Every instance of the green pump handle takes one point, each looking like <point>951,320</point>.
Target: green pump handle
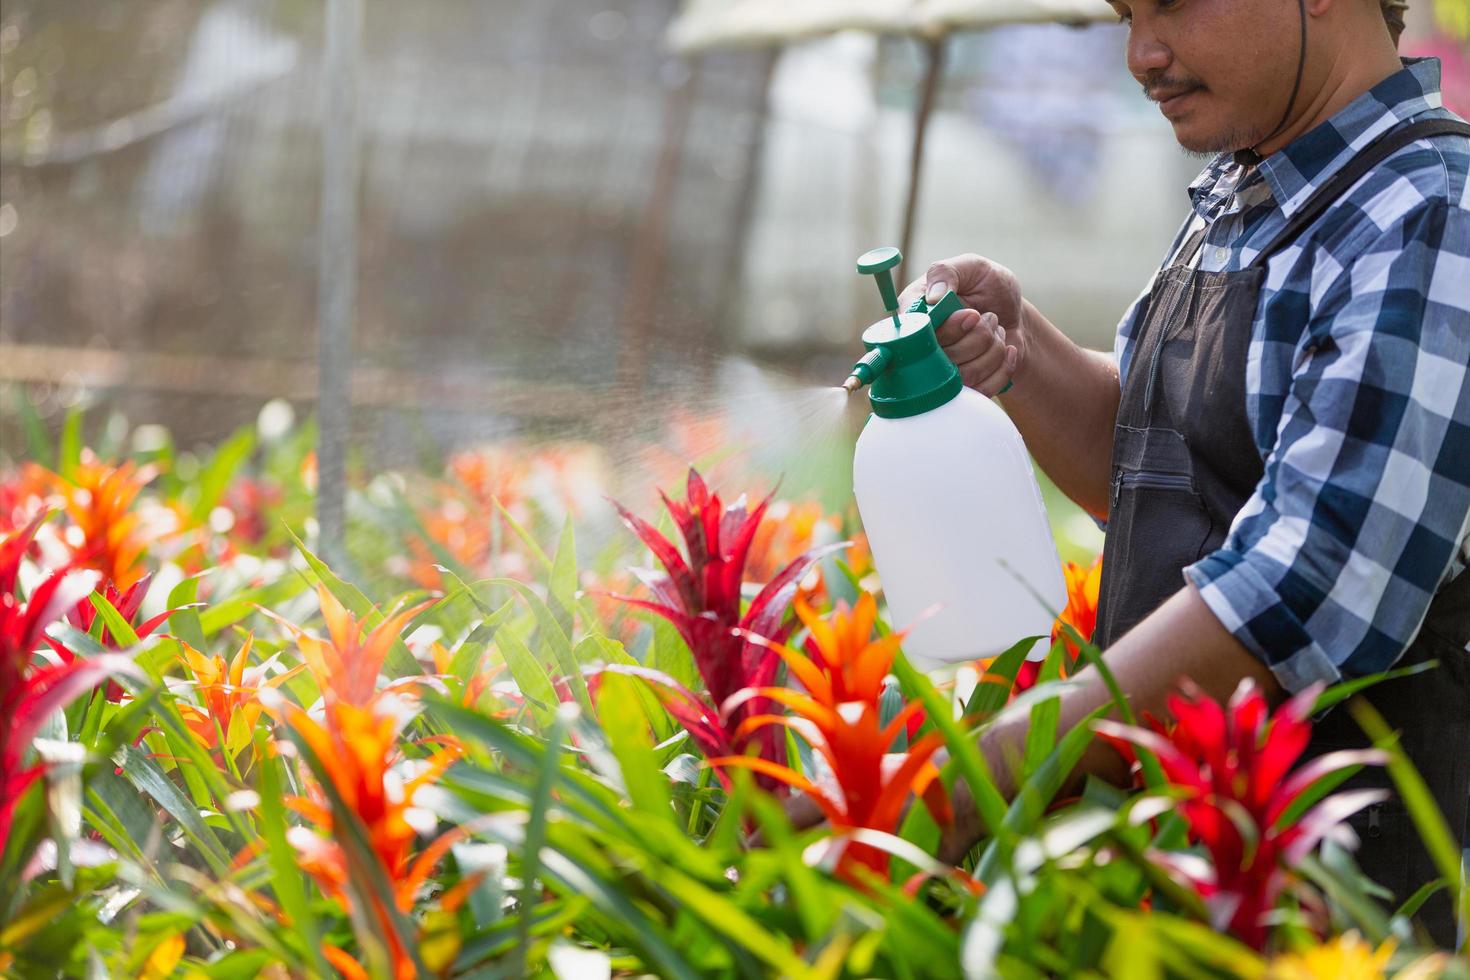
<point>905,366</point>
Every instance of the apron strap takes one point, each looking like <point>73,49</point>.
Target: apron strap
<point>1326,195</point>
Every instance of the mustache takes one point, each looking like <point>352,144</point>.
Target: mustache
<point>1157,86</point>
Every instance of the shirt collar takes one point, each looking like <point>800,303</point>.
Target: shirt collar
<point>1308,161</point>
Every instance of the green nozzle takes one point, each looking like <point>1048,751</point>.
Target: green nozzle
<point>905,366</point>
<point>879,263</point>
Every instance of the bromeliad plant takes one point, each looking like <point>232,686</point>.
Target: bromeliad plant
<point>861,784</point>
<point>31,691</point>
<point>448,817</point>
<point>1236,768</point>
<point>700,592</point>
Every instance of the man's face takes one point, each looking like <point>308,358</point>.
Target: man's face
<point>1221,70</point>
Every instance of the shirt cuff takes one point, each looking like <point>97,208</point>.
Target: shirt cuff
<point>1247,605</point>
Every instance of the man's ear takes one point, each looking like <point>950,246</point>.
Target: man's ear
<point>1320,8</point>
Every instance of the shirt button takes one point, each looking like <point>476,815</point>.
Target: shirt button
<point>1221,254</point>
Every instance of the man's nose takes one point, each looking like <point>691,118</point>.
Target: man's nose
<point>1147,54</point>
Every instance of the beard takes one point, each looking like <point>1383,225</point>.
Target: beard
<point>1228,140</point>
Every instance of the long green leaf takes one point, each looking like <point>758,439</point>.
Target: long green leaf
<point>144,773</point>
<point>551,634</point>
<point>286,876</point>
<point>536,832</point>
<point>623,720</point>
<point>1041,735</point>
<point>963,749</point>
<point>994,689</point>
<point>529,676</point>
<point>214,478</point>
<point>563,582</point>
<point>185,623</point>
<point>1433,829</point>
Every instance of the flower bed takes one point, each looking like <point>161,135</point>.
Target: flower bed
<point>221,757</point>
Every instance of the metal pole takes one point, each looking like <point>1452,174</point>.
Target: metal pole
<point>337,270</point>
<point>933,72</point>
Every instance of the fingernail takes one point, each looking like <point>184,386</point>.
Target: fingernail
<point>1011,359</point>
<point>936,292</point>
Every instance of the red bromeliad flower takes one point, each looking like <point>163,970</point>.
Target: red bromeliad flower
<point>1234,764</point>
<point>29,692</point>
<point>843,672</point>
<point>700,593</point>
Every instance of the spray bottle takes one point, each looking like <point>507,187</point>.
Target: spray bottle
<point>948,499</point>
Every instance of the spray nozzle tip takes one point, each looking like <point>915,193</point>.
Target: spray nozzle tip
<point>853,383</point>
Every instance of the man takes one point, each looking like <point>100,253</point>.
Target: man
<point>1280,445</point>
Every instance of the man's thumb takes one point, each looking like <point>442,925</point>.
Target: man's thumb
<point>941,279</point>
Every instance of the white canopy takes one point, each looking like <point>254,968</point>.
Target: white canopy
<point>704,24</point>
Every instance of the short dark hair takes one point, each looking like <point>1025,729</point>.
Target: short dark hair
<point>1393,16</point>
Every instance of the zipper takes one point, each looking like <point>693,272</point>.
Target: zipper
<point>1149,481</point>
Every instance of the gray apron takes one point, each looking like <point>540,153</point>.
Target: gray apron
<point>1185,462</point>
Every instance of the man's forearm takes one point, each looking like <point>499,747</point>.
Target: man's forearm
<point>1182,639</point>
<point>1065,403</point>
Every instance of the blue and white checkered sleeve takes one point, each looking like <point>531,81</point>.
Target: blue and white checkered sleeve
<point>1328,570</point>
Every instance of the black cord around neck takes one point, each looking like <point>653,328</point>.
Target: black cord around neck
<point>1249,156</point>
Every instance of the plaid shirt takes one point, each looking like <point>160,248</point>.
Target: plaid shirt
<point>1357,389</point>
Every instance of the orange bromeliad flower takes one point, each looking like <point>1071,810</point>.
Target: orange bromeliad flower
<point>228,695</point>
<point>346,665</point>
<point>1081,611</point>
<point>356,747</point>
<point>354,742</point>
<point>98,499</point>
<point>839,714</point>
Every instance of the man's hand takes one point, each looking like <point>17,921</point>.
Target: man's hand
<point>987,340</point>
<point>955,840</point>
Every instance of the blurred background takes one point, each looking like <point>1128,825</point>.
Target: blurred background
<point>478,219</point>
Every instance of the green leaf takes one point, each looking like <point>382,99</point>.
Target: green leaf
<point>121,630</point>
<point>994,689</point>
<point>38,439</point>
<point>286,877</point>
<point>550,633</point>
<point>529,676</point>
<point>611,651</point>
<point>536,831</point>
<point>626,726</point>
<point>814,910</point>
<point>1041,734</point>
<point>963,749</point>
<point>1029,806</point>
<point>672,655</point>
<point>214,478</point>
<point>1434,830</point>
<point>227,612</point>
<point>1341,692</point>
<point>727,918</point>
<point>185,623</point>
<point>144,773</point>
<point>69,454</point>
<point>563,583</point>
<point>524,535</point>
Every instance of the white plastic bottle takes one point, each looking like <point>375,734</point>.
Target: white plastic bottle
<point>948,498</point>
